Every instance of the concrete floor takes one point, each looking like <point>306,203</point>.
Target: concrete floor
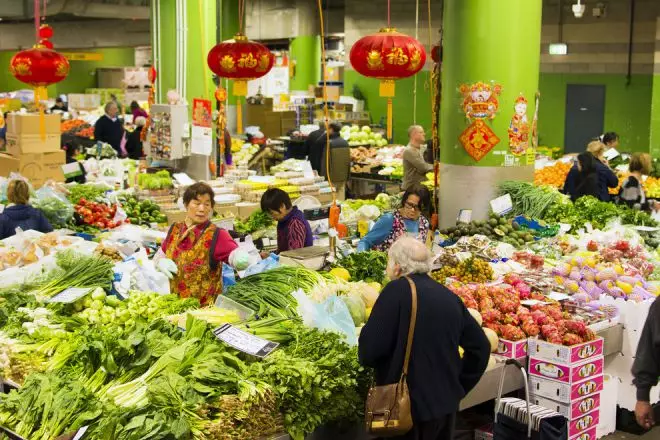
<point>654,434</point>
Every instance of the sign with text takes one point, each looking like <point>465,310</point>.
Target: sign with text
<point>244,341</point>
<point>502,205</point>
<point>67,296</point>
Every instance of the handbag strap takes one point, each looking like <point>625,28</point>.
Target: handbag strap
<point>411,328</point>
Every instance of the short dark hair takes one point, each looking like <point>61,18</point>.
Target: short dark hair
<point>273,199</point>
<point>587,162</point>
<point>134,105</point>
<point>419,191</point>
<point>198,189</point>
<point>610,137</point>
<point>335,126</point>
<point>58,99</point>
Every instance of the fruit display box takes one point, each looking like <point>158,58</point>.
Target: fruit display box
<point>571,410</point>
<point>565,392</point>
<point>567,373</point>
<point>584,423</point>
<point>565,355</point>
<point>512,349</point>
<point>589,434</point>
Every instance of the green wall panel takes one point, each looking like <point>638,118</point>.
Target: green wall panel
<point>627,107</point>
<point>655,117</point>
<point>167,60</point>
<point>197,71</point>
<point>402,104</point>
<point>306,51</point>
<point>82,74</point>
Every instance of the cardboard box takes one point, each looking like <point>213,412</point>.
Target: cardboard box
<point>564,392</point>
<point>512,349</point>
<point>246,208</point>
<point>175,216</point>
<point>38,168</point>
<point>565,355</point>
<point>589,434</point>
<point>567,373</point>
<point>571,411</point>
<point>584,423</point>
<point>334,74</point>
<point>30,123</point>
<point>32,144</point>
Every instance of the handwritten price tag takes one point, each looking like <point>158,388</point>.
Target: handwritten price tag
<point>244,341</point>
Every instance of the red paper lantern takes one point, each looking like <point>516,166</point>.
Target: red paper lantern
<point>39,66</point>
<point>388,55</point>
<point>45,31</point>
<point>152,74</point>
<point>240,60</point>
<point>46,43</point>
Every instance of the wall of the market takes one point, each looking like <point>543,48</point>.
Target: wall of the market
<point>82,74</point>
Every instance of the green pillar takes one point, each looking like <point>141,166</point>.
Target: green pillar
<point>305,50</point>
<point>498,44</point>
<point>200,39</point>
<point>655,99</point>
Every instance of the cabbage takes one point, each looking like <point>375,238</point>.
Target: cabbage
<point>369,212</point>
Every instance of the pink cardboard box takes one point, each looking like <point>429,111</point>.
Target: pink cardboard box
<point>584,423</point>
<point>566,373</point>
<point>512,349</point>
<point>571,410</point>
<point>565,392</point>
<point>565,355</point>
<point>589,434</point>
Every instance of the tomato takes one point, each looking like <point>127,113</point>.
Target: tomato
<point>99,225</point>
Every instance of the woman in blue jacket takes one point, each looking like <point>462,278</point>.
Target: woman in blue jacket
<point>18,214</point>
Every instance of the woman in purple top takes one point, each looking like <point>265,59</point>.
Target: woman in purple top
<point>136,110</point>
<point>293,230</point>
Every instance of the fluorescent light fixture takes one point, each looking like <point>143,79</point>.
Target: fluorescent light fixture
<point>558,49</point>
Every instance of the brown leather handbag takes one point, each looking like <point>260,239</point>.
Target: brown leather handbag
<point>388,411</point>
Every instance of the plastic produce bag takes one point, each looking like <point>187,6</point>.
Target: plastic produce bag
<point>55,206</point>
<point>331,315</point>
<point>140,273</point>
<point>228,277</point>
<point>268,263</point>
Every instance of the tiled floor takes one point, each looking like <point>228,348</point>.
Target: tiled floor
<point>654,434</point>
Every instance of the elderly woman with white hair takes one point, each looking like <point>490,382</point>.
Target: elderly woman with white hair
<point>134,140</point>
<point>437,376</point>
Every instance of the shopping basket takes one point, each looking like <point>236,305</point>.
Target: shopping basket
<point>517,419</point>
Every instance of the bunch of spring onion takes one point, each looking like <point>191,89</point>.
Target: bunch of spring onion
<point>529,200</point>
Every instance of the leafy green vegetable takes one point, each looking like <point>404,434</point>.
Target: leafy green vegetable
<point>365,266</point>
<point>86,191</point>
<point>257,220</point>
<point>156,181</point>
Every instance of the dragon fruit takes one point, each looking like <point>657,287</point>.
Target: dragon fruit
<point>549,329</point>
<point>491,315</point>
<point>572,326</point>
<point>530,328</point>
<point>571,339</point>
<point>512,333</point>
<point>589,335</point>
<point>497,328</point>
<point>511,318</point>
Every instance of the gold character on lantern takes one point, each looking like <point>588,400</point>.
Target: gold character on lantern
<point>62,69</point>
<point>21,68</point>
<point>247,61</point>
<point>375,60</point>
<point>264,62</point>
<point>397,57</point>
<point>415,58</point>
<point>227,64</point>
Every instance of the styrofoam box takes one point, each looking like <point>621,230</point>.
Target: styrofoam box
<point>589,434</point>
<point>567,373</point>
<point>565,355</point>
<point>564,392</point>
<point>584,423</point>
<point>512,349</point>
<point>571,410</point>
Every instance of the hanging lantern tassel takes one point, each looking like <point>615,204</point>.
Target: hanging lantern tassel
<point>387,91</point>
<point>239,88</point>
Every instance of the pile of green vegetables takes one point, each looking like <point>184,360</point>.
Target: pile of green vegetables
<point>365,266</point>
<point>142,212</point>
<point>150,380</point>
<point>85,191</point>
<point>156,181</point>
<point>256,221</point>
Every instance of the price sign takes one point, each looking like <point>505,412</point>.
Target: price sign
<point>611,154</point>
<point>502,205</point>
<point>80,433</point>
<point>464,216</point>
<point>244,341</point>
<point>556,296</point>
<point>71,170</point>
<point>72,294</point>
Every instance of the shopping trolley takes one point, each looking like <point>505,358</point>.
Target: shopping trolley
<point>517,419</point>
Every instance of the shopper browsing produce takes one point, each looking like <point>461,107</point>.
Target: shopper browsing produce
<point>606,177</point>
<point>109,128</point>
<point>133,140</point>
<point>632,192</point>
<point>195,249</point>
<point>60,106</point>
<point>610,139</point>
<point>340,161</point>
<point>293,230</point>
<point>646,368</point>
<point>19,214</point>
<point>414,165</point>
<point>437,377</point>
<point>586,180</point>
<point>408,219</point>
<point>138,111</point>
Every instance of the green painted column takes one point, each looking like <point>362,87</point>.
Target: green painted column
<point>201,37</point>
<point>496,44</point>
<point>655,114</point>
<point>305,50</point>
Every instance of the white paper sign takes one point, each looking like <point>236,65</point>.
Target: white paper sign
<point>464,216</point>
<point>80,433</point>
<point>71,170</point>
<point>610,154</point>
<point>502,205</point>
<point>244,341</point>
<point>558,296</point>
<point>72,294</point>
<point>183,179</point>
<point>202,140</point>
<point>308,172</point>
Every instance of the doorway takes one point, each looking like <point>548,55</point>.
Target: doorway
<point>585,115</point>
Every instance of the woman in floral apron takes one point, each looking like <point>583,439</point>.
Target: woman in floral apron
<point>408,219</point>
<point>195,249</point>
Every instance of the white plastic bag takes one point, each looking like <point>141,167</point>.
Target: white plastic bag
<point>330,315</point>
<point>140,273</point>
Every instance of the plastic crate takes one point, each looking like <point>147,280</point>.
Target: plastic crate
<point>226,303</point>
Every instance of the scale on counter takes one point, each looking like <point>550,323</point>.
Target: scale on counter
<point>312,257</point>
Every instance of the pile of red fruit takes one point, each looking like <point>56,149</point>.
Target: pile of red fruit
<point>99,215</point>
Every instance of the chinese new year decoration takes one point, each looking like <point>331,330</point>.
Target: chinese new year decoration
<point>40,67</point>
<point>221,125</point>
<point>480,104</point>
<point>241,60</point>
<point>388,56</point>
<point>519,128</point>
<point>153,74</point>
